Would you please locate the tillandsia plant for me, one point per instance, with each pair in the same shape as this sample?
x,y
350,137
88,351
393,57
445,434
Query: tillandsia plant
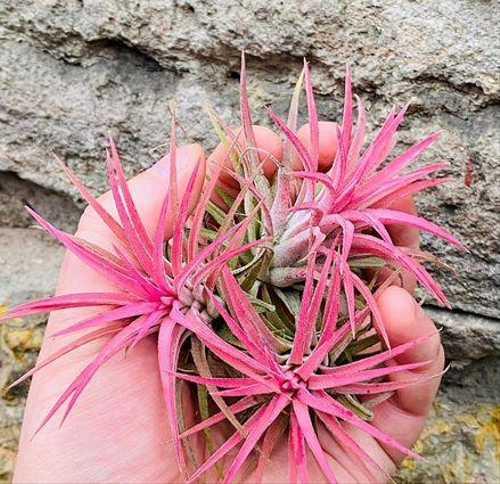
x,y
263,296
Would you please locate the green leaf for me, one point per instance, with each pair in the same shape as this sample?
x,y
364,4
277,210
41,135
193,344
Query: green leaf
x,y
282,316
363,344
259,304
208,234
255,268
217,213
353,404
291,299
226,197
367,263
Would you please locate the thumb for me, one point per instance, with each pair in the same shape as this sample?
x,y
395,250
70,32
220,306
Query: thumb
x,y
148,190
95,435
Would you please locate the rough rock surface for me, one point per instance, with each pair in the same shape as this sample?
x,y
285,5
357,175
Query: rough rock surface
x,y
71,71
461,441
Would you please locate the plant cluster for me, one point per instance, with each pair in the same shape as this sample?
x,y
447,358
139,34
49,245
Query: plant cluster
x,y
263,299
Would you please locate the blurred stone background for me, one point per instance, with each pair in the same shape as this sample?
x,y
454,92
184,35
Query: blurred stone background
x,y
72,71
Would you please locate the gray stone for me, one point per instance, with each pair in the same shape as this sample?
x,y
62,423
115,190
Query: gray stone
x,y
467,336
15,193
461,438
29,264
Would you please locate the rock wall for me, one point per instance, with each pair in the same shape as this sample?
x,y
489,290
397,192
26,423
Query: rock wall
x,y
72,71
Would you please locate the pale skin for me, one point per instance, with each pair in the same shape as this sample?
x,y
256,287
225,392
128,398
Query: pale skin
x,y
117,432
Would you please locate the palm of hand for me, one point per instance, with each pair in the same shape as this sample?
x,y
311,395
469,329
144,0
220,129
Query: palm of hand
x,y
118,432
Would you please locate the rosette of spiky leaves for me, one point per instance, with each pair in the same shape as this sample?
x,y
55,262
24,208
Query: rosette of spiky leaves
x,y
349,205
289,357
315,384
152,275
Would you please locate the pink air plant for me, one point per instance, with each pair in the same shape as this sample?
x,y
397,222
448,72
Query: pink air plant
x,y
149,284
305,385
348,208
263,298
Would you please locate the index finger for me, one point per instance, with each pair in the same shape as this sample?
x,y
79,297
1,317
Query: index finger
x,y
148,190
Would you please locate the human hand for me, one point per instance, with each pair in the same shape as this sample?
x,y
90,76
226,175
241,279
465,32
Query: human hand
x,y
117,432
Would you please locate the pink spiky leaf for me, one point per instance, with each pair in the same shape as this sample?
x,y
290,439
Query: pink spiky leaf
x,y
304,421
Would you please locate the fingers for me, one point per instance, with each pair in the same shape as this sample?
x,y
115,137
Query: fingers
x,y
406,321
404,236
269,149
403,416
327,143
401,234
